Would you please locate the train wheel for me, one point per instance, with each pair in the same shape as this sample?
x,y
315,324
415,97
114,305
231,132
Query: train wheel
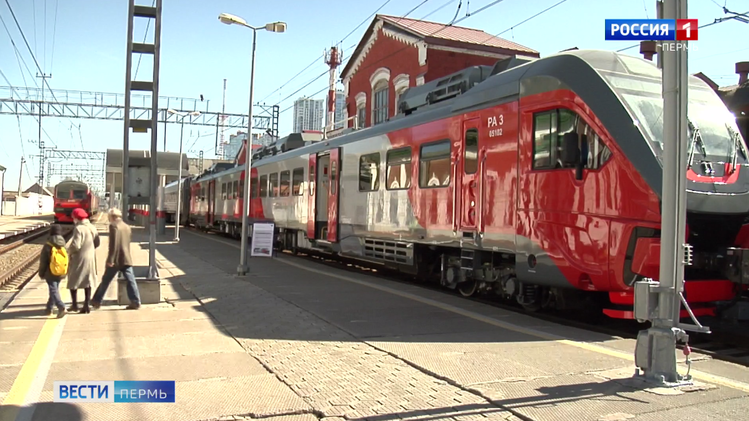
x,y
468,288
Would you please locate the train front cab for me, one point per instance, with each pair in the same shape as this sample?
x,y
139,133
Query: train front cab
x,y
612,234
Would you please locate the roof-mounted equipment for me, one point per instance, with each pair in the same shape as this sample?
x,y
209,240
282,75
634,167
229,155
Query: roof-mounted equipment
x,y
509,63
442,89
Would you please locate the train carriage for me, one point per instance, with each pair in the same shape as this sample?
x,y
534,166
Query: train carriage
x,y
71,194
538,180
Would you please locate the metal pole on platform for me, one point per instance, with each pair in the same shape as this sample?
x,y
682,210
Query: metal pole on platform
x,y
179,178
661,301
228,19
153,272
2,188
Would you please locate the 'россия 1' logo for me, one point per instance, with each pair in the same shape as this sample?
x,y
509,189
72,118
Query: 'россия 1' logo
x,y
651,29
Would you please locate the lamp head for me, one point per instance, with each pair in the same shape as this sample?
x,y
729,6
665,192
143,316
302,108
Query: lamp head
x,y
276,27
231,19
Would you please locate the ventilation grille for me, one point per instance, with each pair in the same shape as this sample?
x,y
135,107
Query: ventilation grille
x,y
389,251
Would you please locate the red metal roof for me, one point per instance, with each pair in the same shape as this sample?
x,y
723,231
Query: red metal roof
x,y
427,29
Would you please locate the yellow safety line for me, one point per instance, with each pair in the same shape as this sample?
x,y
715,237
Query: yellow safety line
x,y
22,384
706,377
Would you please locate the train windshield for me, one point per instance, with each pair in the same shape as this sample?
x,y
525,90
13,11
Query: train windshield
x,y
713,133
70,192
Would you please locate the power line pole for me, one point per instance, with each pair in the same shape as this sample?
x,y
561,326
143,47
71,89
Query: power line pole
x,y
660,301
332,60
20,180
41,142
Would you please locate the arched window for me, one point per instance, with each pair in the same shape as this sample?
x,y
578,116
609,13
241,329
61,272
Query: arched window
x,y
379,81
400,84
361,110
380,95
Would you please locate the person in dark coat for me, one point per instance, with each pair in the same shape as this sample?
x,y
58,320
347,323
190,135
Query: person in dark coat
x,y
53,282
118,260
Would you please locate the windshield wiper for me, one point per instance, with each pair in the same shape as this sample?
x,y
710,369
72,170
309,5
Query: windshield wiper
x,y
696,140
736,147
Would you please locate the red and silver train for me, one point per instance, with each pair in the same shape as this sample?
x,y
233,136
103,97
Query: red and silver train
x,y
538,180
71,194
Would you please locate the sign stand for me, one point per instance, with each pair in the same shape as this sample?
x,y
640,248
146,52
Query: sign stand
x,y
262,239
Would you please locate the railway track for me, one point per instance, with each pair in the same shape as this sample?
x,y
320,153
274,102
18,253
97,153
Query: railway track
x,y
730,345
18,259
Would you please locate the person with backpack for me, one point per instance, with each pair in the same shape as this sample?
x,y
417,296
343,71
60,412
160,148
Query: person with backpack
x,y
53,267
82,248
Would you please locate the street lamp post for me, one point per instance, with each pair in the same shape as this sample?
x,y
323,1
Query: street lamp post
x,y
179,179
228,19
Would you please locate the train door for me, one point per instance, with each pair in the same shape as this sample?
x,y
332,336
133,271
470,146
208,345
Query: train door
x,y
470,183
311,181
211,201
335,164
322,175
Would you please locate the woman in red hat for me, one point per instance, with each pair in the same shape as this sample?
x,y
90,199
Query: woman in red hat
x,y
82,259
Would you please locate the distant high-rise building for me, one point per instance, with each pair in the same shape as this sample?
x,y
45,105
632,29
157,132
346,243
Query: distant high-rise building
x,y
235,142
309,114
340,106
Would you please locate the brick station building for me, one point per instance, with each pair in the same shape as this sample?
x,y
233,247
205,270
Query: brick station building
x,y
396,53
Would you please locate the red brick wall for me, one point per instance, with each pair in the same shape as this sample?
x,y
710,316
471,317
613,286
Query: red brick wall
x,y
442,63
400,58
391,54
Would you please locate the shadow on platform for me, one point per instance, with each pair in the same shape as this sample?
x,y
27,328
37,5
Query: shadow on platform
x,y
284,302
44,411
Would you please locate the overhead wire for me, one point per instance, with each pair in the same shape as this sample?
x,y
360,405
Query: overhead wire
x,y
19,57
54,34
354,45
340,43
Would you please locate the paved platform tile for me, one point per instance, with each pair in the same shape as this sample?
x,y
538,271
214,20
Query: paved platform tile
x,y
257,396
175,367
142,347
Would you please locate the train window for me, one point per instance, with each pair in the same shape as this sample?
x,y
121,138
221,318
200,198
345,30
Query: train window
x,y
297,180
223,191
544,139
333,174
273,185
398,169
285,183
311,176
434,164
369,172
253,187
471,152
235,188
263,185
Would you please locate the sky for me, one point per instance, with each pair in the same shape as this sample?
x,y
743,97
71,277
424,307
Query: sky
x,y
82,44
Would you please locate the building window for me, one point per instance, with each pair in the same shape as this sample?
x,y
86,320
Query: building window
x,y
380,103
471,153
361,114
434,164
369,174
297,180
285,183
398,169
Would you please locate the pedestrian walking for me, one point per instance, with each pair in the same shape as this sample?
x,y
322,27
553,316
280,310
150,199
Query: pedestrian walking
x,y
53,266
118,261
82,250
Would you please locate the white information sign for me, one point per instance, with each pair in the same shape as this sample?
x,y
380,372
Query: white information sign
x,y
262,239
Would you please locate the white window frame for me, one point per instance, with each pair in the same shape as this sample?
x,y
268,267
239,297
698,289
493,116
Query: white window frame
x,y
400,84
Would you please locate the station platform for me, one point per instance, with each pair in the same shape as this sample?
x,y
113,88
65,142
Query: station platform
x,y
14,225
297,340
